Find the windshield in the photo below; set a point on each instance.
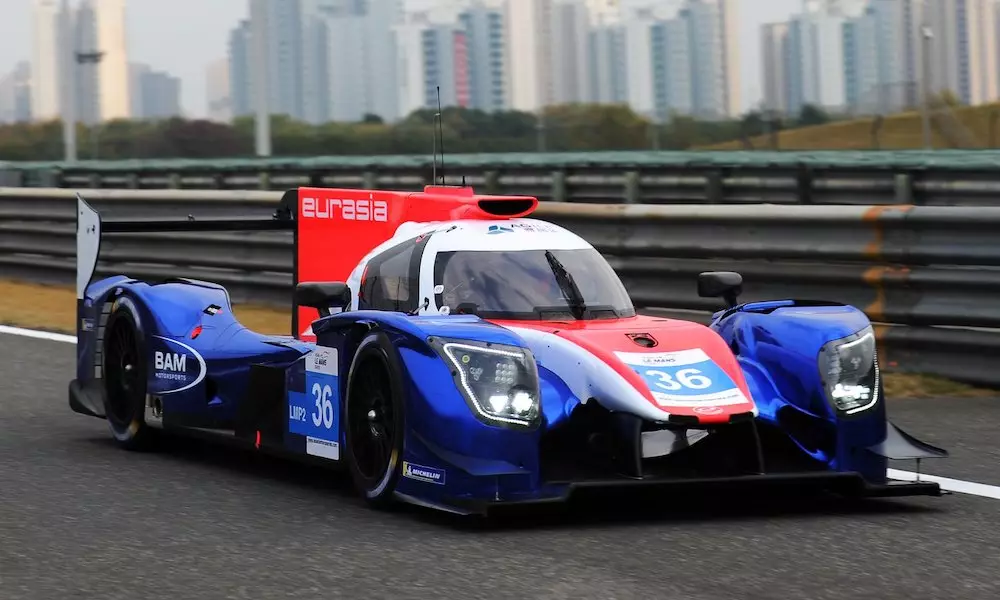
(530, 284)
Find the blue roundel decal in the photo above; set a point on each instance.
(175, 366)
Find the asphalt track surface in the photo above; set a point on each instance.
(81, 519)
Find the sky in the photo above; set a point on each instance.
(163, 35)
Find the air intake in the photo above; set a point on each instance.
(508, 207)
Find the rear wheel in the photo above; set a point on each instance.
(124, 373)
(374, 419)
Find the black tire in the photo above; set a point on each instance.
(124, 374)
(374, 419)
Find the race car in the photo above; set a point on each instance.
(450, 351)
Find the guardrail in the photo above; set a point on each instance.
(939, 178)
(928, 276)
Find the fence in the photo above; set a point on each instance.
(929, 276)
(947, 178)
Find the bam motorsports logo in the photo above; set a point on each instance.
(171, 366)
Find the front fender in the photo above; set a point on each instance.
(778, 346)
(478, 459)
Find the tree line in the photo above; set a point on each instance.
(566, 128)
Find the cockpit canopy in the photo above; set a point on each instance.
(530, 284)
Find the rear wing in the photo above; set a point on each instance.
(91, 228)
(333, 229)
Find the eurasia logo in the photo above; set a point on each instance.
(346, 209)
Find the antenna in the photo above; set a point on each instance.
(440, 117)
(434, 155)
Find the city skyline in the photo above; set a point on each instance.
(198, 44)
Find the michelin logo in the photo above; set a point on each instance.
(426, 474)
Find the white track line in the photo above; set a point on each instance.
(41, 335)
(952, 485)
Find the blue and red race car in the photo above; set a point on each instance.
(450, 351)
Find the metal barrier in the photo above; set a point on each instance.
(940, 178)
(928, 276)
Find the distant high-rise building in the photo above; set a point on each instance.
(730, 26)
(774, 41)
(638, 19)
(280, 24)
(15, 95)
(218, 91)
(713, 57)
(350, 77)
(530, 40)
(361, 58)
(316, 46)
(486, 33)
(241, 70)
(901, 52)
(50, 59)
(381, 18)
(86, 73)
(433, 55)
(883, 60)
(155, 94)
(671, 45)
(113, 68)
(681, 57)
(862, 58)
(136, 72)
(963, 49)
(608, 66)
(845, 54)
(569, 64)
(817, 57)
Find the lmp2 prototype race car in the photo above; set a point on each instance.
(450, 351)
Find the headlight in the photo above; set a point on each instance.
(499, 382)
(849, 370)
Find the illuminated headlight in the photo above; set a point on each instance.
(499, 382)
(849, 369)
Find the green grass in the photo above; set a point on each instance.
(903, 131)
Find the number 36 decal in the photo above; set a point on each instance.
(691, 379)
(323, 417)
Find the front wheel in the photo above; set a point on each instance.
(124, 374)
(374, 419)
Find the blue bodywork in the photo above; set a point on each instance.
(204, 387)
(200, 361)
(777, 344)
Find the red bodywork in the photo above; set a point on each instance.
(338, 227)
(603, 338)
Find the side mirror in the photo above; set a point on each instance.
(321, 295)
(727, 284)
